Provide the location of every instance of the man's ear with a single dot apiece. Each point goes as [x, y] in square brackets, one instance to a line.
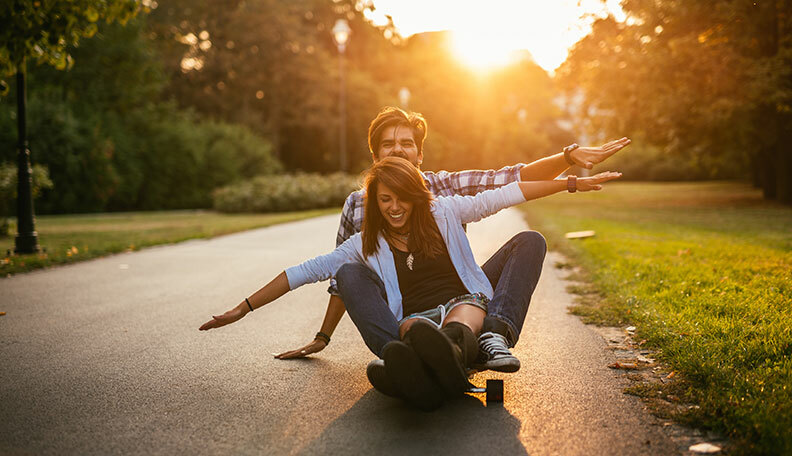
[420, 158]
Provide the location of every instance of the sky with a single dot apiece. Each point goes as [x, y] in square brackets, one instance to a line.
[487, 37]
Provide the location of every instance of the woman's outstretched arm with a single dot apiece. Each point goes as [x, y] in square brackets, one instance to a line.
[539, 189]
[277, 287]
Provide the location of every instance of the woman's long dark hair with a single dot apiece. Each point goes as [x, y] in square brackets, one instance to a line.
[404, 179]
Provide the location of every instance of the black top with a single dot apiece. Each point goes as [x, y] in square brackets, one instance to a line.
[430, 283]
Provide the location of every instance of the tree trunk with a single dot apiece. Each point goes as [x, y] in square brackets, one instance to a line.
[783, 166]
[768, 167]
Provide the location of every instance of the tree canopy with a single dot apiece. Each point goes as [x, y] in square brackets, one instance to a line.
[707, 82]
[45, 30]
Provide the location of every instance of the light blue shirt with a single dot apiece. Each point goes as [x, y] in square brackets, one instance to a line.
[450, 213]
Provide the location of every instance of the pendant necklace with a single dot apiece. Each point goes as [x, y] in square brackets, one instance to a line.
[404, 238]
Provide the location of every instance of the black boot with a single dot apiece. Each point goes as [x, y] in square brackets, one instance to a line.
[445, 359]
[410, 377]
[378, 377]
[462, 336]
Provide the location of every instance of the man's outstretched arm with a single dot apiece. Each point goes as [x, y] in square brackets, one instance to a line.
[335, 307]
[335, 310]
[586, 157]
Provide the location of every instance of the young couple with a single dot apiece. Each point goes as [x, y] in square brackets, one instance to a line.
[405, 271]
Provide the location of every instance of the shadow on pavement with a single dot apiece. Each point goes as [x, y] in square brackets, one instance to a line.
[377, 424]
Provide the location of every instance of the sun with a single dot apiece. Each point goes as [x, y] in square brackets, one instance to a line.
[483, 53]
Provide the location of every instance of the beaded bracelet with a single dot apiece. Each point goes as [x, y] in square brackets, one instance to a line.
[322, 336]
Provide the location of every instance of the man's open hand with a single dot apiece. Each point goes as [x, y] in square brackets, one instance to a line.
[315, 346]
[587, 157]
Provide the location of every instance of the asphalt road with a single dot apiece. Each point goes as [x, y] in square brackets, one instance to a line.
[105, 357]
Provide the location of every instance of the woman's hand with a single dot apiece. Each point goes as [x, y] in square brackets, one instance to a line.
[587, 157]
[229, 317]
[595, 182]
[315, 346]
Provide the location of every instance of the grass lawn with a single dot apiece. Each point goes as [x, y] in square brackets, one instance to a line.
[704, 271]
[70, 238]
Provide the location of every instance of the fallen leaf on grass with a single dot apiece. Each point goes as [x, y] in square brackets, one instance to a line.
[671, 375]
[579, 234]
[704, 448]
[618, 365]
[646, 360]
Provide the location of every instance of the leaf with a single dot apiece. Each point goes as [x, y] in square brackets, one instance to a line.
[92, 15]
[704, 448]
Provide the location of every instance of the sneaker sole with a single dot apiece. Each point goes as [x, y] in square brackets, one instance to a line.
[502, 365]
[437, 351]
[410, 377]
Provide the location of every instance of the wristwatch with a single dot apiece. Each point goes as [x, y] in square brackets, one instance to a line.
[567, 150]
[572, 183]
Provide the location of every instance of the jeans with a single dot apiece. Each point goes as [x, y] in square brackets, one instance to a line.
[367, 304]
[513, 271]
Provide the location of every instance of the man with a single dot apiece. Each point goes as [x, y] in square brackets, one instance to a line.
[394, 132]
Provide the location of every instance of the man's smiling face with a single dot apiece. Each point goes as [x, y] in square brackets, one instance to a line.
[398, 141]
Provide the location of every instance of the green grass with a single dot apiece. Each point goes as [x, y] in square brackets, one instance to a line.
[704, 270]
[70, 238]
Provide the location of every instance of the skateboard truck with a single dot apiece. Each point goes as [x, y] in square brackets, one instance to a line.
[493, 390]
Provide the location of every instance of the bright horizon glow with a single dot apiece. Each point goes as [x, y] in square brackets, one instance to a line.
[482, 54]
[492, 37]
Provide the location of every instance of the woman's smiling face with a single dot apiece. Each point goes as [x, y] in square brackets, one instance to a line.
[394, 210]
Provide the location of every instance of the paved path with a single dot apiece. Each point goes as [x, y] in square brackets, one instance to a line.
[104, 357]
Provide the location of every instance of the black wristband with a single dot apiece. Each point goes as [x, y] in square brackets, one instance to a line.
[248, 303]
[322, 336]
[568, 150]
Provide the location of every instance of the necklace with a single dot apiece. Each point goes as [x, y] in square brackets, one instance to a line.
[404, 238]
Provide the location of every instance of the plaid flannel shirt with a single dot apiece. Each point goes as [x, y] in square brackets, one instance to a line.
[441, 183]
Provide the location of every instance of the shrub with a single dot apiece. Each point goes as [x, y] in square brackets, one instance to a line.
[285, 193]
[152, 157]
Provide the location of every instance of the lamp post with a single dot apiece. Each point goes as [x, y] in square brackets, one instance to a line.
[26, 239]
[404, 97]
[341, 32]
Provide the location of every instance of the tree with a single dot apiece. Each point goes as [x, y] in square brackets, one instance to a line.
[708, 82]
[43, 30]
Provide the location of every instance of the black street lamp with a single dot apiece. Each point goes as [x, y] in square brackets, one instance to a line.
[26, 239]
[341, 32]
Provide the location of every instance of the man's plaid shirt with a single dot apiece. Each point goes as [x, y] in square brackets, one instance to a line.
[442, 183]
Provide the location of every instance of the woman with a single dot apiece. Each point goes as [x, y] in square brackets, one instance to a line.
[416, 245]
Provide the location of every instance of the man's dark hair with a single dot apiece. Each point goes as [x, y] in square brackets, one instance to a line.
[391, 116]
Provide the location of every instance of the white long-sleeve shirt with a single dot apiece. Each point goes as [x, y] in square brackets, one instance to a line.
[450, 213]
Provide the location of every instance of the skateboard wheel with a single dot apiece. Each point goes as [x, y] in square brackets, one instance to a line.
[494, 390]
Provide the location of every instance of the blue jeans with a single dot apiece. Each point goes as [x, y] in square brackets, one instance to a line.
[513, 271]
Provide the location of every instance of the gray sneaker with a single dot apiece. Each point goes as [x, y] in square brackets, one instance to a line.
[494, 354]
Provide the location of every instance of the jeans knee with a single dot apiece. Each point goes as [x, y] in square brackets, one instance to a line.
[349, 272]
[532, 240]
